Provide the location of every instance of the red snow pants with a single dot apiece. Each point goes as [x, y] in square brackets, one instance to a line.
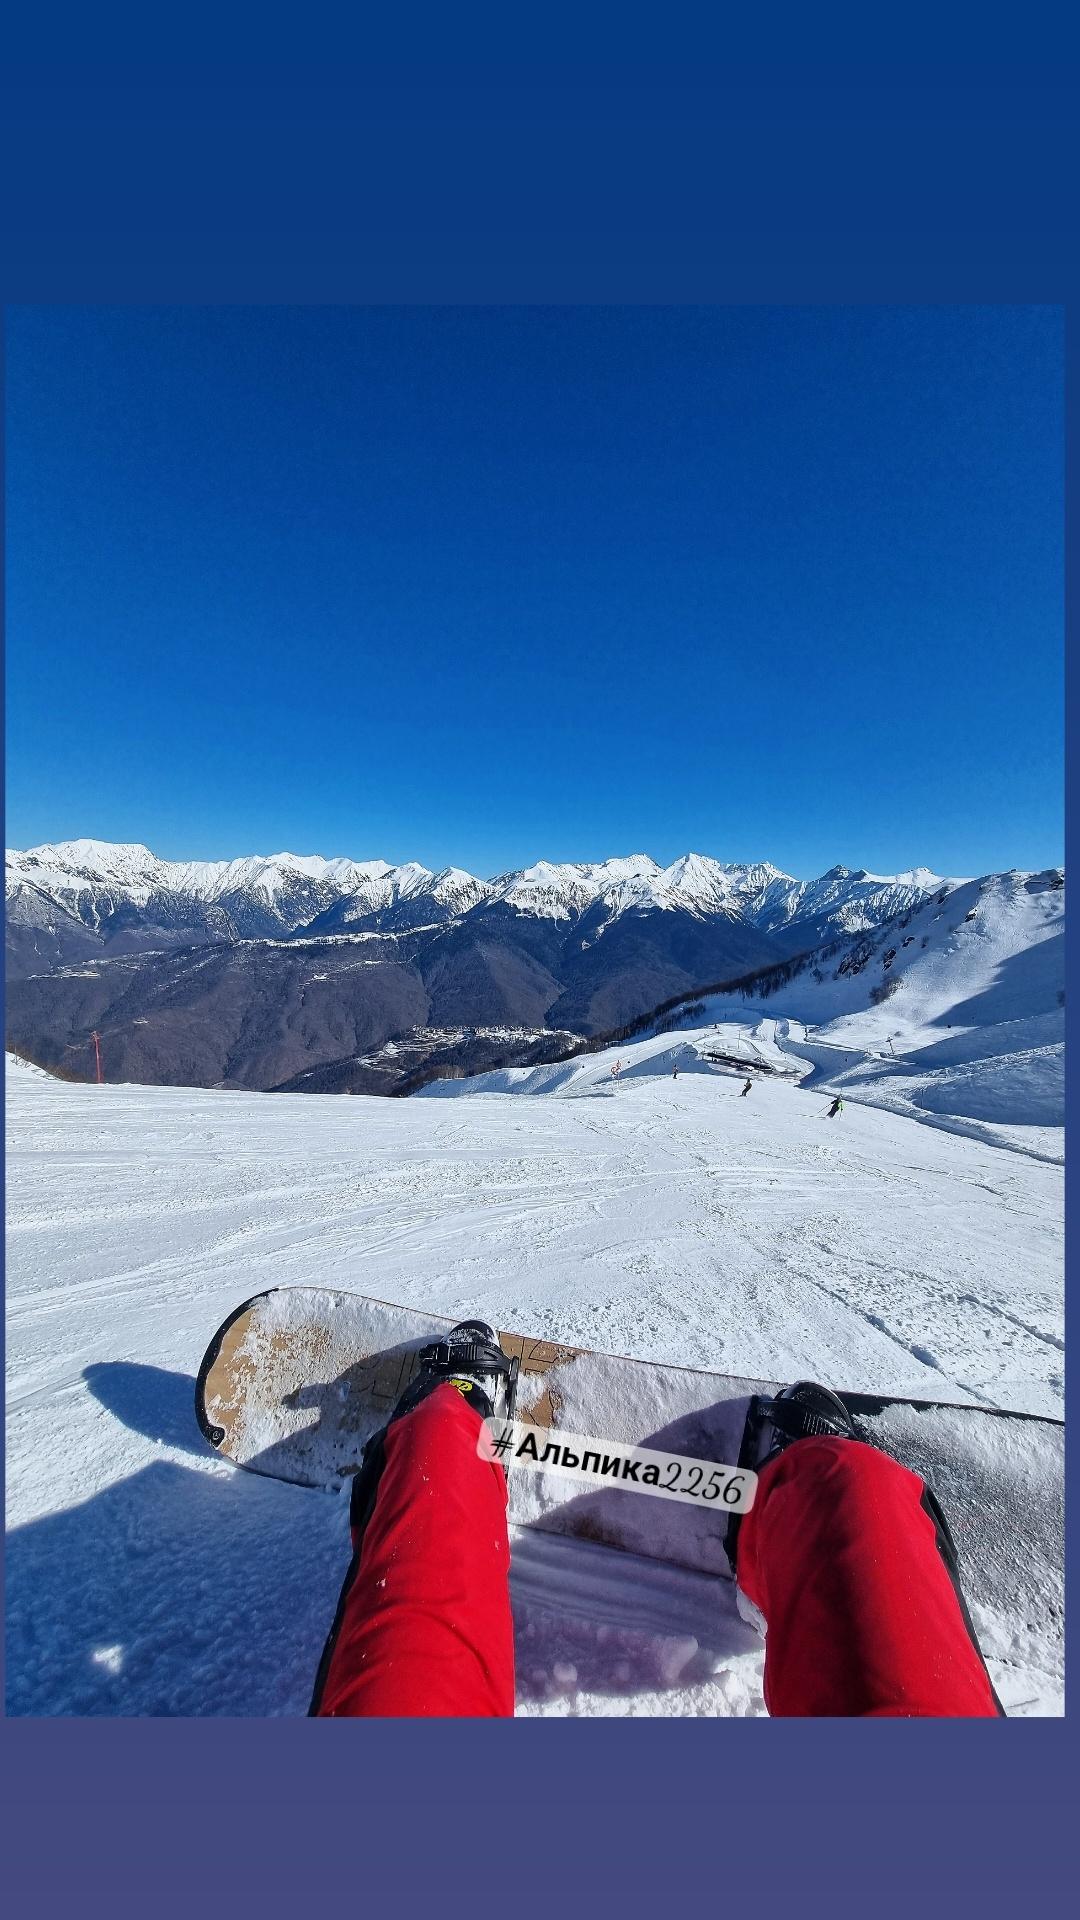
[839, 1553]
[843, 1557]
[424, 1624]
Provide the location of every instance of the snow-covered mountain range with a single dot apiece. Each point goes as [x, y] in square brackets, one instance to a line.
[312, 974]
[126, 898]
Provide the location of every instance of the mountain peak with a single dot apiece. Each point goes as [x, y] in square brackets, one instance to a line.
[107, 855]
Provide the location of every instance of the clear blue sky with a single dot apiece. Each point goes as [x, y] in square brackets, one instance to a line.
[478, 586]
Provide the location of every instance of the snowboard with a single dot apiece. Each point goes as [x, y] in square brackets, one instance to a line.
[298, 1378]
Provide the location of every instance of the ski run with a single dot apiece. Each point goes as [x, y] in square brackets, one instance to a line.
[912, 1245]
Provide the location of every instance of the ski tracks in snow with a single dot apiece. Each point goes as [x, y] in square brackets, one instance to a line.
[673, 1221]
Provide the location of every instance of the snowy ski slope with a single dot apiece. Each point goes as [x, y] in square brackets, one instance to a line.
[668, 1219]
[969, 1037]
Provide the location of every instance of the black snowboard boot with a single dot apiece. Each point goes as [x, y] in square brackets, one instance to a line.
[804, 1411]
[471, 1359]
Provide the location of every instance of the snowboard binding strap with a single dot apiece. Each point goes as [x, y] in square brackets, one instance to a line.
[468, 1354]
[798, 1422]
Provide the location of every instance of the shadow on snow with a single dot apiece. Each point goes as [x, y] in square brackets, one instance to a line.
[207, 1590]
[149, 1400]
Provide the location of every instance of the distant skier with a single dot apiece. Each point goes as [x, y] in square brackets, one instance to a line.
[747, 1088]
[675, 1071]
[837, 1107]
[845, 1554]
[616, 1070]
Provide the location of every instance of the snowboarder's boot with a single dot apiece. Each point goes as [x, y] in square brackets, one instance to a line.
[470, 1359]
[804, 1411]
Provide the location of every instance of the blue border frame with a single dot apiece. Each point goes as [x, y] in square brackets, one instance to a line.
[661, 164]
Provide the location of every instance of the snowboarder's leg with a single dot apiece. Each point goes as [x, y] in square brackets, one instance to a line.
[850, 1562]
[423, 1625]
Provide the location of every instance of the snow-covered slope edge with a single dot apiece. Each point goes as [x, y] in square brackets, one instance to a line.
[953, 1014]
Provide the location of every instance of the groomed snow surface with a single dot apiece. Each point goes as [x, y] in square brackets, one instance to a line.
[668, 1219]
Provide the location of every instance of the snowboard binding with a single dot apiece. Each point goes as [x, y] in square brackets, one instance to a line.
[470, 1359]
[804, 1411]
